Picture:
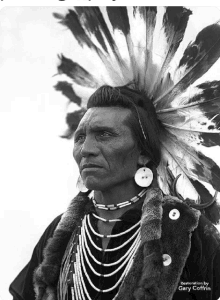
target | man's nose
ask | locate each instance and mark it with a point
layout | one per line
(89, 147)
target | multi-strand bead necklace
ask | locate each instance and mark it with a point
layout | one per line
(84, 254)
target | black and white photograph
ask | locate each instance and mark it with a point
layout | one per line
(110, 152)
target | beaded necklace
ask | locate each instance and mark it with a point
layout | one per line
(119, 205)
(84, 255)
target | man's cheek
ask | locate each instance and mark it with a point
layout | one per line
(76, 156)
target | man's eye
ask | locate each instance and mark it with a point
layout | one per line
(105, 133)
(79, 138)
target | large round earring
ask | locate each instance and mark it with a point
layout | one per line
(143, 177)
(81, 186)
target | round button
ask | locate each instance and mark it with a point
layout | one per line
(166, 260)
(143, 177)
(174, 214)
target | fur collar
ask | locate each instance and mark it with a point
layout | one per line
(148, 278)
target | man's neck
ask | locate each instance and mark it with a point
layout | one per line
(116, 195)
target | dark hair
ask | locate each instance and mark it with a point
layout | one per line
(143, 119)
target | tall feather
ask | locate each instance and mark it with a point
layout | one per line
(118, 16)
(197, 59)
(173, 28)
(145, 20)
(71, 21)
(95, 24)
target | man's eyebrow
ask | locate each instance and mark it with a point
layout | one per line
(96, 128)
(78, 130)
(102, 127)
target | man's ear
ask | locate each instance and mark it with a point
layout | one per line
(143, 159)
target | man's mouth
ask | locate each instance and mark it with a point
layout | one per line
(89, 166)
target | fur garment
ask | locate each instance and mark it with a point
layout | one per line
(149, 277)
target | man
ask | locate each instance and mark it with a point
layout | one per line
(173, 252)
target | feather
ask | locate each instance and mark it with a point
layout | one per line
(84, 35)
(95, 24)
(68, 91)
(173, 28)
(78, 74)
(177, 166)
(72, 120)
(71, 21)
(213, 211)
(193, 163)
(145, 20)
(196, 139)
(197, 59)
(165, 84)
(164, 178)
(194, 116)
(118, 17)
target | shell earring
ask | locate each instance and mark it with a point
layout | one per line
(143, 177)
(81, 186)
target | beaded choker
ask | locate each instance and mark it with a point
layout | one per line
(120, 205)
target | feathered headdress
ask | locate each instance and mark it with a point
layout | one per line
(143, 45)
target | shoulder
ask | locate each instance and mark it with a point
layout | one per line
(178, 216)
(22, 286)
(52, 226)
(206, 240)
(48, 233)
(203, 263)
(177, 212)
(208, 231)
(179, 220)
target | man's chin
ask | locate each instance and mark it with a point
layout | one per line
(95, 185)
(92, 184)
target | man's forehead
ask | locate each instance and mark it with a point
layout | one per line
(99, 116)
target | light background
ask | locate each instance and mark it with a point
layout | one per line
(37, 171)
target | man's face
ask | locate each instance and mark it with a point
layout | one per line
(105, 149)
